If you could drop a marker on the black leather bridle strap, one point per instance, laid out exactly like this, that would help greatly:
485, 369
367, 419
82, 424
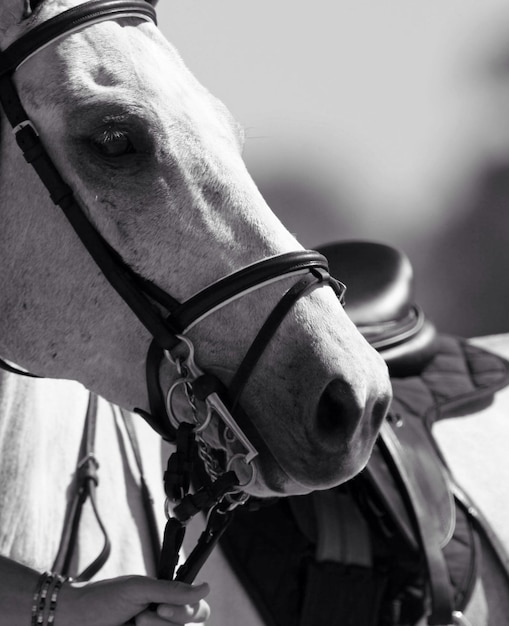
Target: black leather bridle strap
132, 288
68, 22
240, 283
266, 333
120, 276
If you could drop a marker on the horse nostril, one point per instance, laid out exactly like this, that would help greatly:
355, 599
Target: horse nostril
337, 409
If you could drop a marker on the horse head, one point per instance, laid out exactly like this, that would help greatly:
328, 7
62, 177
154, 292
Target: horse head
154, 161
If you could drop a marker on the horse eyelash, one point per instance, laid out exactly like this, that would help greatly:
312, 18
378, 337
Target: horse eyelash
110, 134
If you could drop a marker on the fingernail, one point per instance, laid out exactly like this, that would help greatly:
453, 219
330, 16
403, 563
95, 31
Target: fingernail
203, 587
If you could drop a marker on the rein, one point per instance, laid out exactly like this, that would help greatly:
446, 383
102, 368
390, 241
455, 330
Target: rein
222, 490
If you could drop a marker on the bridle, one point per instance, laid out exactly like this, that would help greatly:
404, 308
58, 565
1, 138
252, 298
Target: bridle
168, 329
221, 490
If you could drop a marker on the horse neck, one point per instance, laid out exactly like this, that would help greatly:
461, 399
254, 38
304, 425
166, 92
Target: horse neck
40, 434
41, 431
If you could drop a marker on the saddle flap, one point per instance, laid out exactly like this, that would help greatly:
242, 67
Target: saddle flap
406, 453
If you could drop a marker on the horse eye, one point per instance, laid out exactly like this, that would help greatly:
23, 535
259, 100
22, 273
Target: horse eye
113, 144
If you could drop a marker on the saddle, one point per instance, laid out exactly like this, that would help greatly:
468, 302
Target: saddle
380, 301
400, 541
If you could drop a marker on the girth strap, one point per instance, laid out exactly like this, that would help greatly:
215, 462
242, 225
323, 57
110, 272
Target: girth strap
342, 569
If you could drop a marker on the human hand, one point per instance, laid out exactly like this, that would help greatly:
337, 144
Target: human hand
118, 601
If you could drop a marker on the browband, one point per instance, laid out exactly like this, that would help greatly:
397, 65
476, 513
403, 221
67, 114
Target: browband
71, 21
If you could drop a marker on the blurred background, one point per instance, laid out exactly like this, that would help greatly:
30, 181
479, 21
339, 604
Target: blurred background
386, 121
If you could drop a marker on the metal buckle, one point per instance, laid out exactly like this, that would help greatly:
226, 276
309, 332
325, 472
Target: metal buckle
459, 619
22, 125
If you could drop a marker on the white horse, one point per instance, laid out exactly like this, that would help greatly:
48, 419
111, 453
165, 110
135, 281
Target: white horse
155, 163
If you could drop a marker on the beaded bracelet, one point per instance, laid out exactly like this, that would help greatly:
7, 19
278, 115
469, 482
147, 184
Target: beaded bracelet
39, 599
46, 582
59, 581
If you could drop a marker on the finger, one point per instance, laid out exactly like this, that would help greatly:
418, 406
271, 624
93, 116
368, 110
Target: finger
149, 618
174, 615
196, 613
150, 590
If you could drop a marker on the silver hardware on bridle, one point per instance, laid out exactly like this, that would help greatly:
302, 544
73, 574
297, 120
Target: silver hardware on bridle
212, 405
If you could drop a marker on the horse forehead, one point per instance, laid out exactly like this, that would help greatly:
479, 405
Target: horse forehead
109, 54
136, 66
116, 49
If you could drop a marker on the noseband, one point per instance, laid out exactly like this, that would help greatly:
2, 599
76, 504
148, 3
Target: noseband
205, 394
